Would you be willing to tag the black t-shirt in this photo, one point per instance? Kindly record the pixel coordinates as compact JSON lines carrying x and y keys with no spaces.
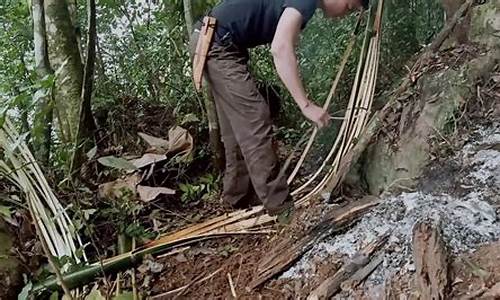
{"x":253,"y":22}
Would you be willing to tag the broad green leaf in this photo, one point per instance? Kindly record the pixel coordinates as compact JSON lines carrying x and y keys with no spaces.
{"x":189,"y":118}
{"x":116,"y":163}
{"x":91,"y":154}
{"x":5,"y":211}
{"x":54,"y":296}
{"x":25,"y":293}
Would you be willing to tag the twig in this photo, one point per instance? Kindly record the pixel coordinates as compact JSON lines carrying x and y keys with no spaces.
{"x":180,"y":291}
{"x":173,"y":252}
{"x":134,"y":285}
{"x":332,"y":284}
{"x":231,"y":285}
{"x":363,"y":273}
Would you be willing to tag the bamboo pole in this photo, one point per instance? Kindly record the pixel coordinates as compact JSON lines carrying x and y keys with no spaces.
{"x":124,"y":261}
{"x":364,"y":98}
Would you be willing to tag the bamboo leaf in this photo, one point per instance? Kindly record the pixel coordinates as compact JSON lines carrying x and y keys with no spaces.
{"x":91,"y":154}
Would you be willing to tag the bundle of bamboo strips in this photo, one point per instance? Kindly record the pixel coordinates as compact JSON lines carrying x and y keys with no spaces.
{"x":358,"y":109}
{"x":312,"y":137}
{"x":20,"y":167}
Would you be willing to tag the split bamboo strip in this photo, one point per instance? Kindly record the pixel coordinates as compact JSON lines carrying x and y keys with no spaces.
{"x":376,"y":122}
{"x":345,"y":58}
{"x":364,"y":98}
{"x":59,"y":234}
{"x":36,"y":179}
{"x":350,"y":107}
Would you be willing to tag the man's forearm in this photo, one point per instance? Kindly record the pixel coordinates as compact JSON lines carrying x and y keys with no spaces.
{"x":286,"y":65}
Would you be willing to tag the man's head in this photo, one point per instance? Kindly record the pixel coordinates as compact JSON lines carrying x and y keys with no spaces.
{"x":340,"y":8}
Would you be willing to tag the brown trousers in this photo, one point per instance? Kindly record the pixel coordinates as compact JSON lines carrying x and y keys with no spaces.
{"x":246,"y":128}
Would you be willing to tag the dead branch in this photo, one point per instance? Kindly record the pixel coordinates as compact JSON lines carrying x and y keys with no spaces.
{"x":431,"y":261}
{"x":288,"y":252}
{"x":332,"y":284}
{"x":363,"y":273}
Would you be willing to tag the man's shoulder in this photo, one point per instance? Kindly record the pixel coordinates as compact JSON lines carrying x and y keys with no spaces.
{"x":305,"y":7}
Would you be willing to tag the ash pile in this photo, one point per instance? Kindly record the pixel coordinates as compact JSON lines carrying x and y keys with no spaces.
{"x":464,"y":199}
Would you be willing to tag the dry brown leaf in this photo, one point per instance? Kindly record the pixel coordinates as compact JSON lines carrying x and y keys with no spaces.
{"x":148,"y":159}
{"x":117,"y":189}
{"x":156,"y":143}
{"x":180,"y":141}
{"x":147,"y":193}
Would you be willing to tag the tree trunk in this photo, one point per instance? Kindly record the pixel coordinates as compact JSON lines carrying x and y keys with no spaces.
{"x":73,"y":14}
{"x":64,"y":57}
{"x":213,"y":125}
{"x":188,"y":16}
{"x":42,"y":123}
{"x":213,"y":129}
{"x":84,"y":140}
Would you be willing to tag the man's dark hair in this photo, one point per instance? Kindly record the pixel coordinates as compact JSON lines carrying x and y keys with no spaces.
{"x":365,"y":3}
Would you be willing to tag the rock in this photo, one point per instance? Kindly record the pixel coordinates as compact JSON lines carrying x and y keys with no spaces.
{"x":485,"y":23}
{"x":390,"y":166}
{"x":397,"y":159}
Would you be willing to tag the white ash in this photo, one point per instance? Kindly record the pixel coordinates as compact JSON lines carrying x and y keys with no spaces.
{"x":465,"y":225}
{"x":466,"y":221}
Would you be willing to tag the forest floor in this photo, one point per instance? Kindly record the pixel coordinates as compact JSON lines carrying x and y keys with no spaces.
{"x":460,"y":188}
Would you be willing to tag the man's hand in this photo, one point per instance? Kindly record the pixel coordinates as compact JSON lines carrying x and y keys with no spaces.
{"x":316,"y":114}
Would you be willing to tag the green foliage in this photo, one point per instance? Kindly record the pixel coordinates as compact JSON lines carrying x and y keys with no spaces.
{"x":202,"y":189}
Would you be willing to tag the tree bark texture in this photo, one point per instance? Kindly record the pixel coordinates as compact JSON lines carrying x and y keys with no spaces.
{"x":188,"y":15}
{"x":87,"y":127}
{"x":431,"y":261}
{"x":64,"y":57}
{"x":42,"y":123}
{"x":214,"y":129}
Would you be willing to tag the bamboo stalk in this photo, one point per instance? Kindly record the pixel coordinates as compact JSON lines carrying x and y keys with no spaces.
{"x":340,"y":138}
{"x":362,"y":100}
{"x":124,"y":261}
